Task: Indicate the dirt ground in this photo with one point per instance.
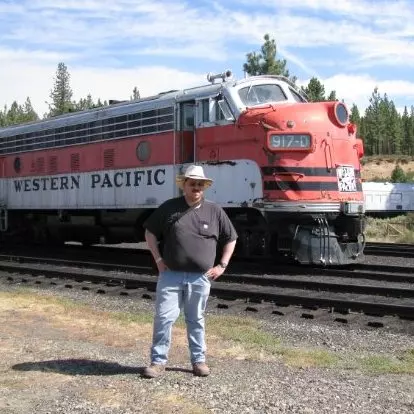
(66, 356)
(382, 167)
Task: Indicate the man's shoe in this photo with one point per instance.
(153, 371)
(200, 369)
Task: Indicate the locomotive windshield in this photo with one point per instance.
(260, 94)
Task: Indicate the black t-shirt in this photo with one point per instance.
(190, 242)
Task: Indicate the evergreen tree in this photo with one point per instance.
(354, 116)
(29, 113)
(375, 125)
(398, 175)
(61, 94)
(362, 128)
(332, 96)
(3, 117)
(135, 94)
(86, 103)
(17, 114)
(410, 138)
(406, 143)
(394, 130)
(265, 62)
(315, 91)
(14, 114)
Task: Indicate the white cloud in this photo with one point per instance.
(98, 39)
(35, 80)
(359, 88)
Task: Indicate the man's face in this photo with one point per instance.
(194, 189)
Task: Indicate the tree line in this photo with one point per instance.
(382, 128)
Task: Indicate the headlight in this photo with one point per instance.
(341, 114)
(289, 141)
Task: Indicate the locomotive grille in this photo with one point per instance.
(40, 165)
(53, 164)
(109, 155)
(74, 162)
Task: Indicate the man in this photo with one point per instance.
(190, 228)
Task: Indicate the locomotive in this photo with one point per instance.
(286, 171)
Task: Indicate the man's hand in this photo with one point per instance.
(215, 272)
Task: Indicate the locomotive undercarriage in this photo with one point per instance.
(325, 238)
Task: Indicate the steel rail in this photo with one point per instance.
(304, 293)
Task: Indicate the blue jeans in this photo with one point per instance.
(176, 291)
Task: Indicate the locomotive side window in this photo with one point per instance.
(259, 94)
(187, 116)
(224, 112)
(296, 96)
(205, 105)
(126, 125)
(219, 113)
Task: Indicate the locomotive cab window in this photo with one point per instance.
(296, 96)
(260, 94)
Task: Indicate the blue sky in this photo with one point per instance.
(110, 46)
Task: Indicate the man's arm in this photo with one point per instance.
(152, 243)
(216, 271)
(228, 250)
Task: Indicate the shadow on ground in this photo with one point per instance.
(83, 367)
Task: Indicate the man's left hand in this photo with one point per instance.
(215, 272)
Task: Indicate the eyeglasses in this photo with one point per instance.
(196, 183)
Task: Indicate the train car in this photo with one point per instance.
(388, 199)
(286, 171)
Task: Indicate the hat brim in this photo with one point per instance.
(181, 178)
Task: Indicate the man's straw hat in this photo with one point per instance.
(195, 172)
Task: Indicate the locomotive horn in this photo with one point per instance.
(211, 78)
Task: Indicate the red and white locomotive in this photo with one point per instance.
(286, 171)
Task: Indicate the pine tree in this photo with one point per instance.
(29, 113)
(3, 117)
(14, 114)
(398, 175)
(354, 116)
(375, 125)
(406, 144)
(332, 96)
(18, 114)
(135, 94)
(61, 94)
(265, 63)
(410, 138)
(394, 129)
(315, 91)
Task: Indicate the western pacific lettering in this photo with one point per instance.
(96, 180)
(47, 183)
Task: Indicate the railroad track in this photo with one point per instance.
(389, 249)
(369, 290)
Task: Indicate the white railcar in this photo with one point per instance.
(388, 197)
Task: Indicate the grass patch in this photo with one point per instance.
(127, 318)
(242, 330)
(398, 229)
(302, 358)
(386, 364)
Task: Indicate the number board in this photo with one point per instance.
(290, 141)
